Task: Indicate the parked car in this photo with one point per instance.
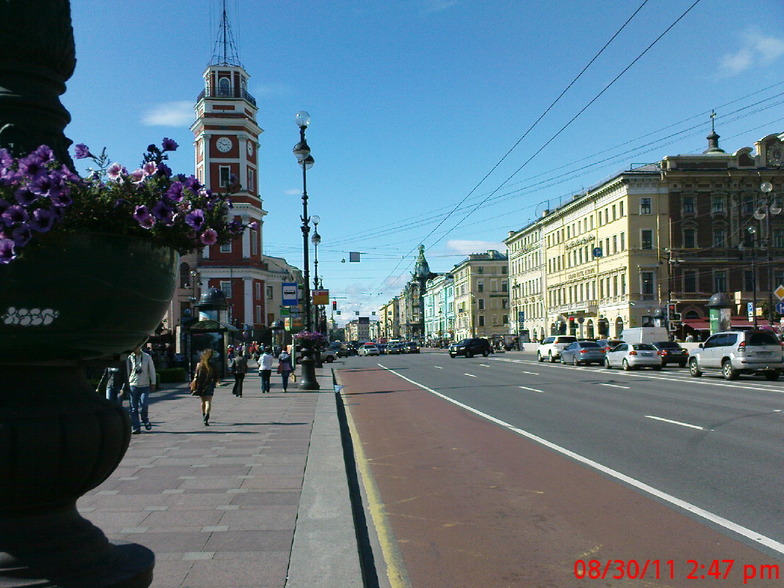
(586, 352)
(327, 355)
(739, 352)
(369, 349)
(382, 348)
(551, 347)
(410, 347)
(471, 347)
(672, 352)
(632, 356)
(608, 344)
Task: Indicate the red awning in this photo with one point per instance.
(704, 324)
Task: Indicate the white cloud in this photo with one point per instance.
(170, 114)
(466, 247)
(756, 51)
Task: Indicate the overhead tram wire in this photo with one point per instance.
(576, 116)
(550, 179)
(536, 122)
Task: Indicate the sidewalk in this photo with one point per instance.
(257, 499)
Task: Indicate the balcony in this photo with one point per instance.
(218, 93)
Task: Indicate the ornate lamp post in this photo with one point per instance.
(302, 152)
(771, 206)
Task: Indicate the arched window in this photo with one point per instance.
(185, 275)
(224, 87)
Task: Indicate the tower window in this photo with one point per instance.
(224, 87)
(225, 175)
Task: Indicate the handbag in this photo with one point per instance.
(194, 386)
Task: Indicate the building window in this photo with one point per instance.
(481, 302)
(748, 205)
(481, 320)
(270, 292)
(480, 286)
(226, 247)
(251, 181)
(259, 317)
(623, 284)
(226, 287)
(720, 281)
(719, 239)
(778, 238)
(646, 239)
(185, 275)
(690, 281)
(645, 206)
(688, 205)
(717, 205)
(620, 210)
(224, 175)
(224, 87)
(689, 238)
(748, 280)
(254, 242)
(623, 241)
(647, 285)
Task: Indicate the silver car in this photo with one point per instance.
(739, 352)
(586, 352)
(632, 356)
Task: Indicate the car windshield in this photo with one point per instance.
(762, 339)
(588, 344)
(644, 347)
(667, 345)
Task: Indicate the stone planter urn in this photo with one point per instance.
(73, 300)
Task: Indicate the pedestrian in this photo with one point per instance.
(285, 368)
(116, 378)
(141, 381)
(204, 382)
(239, 367)
(265, 368)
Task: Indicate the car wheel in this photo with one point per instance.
(694, 368)
(330, 359)
(552, 359)
(772, 376)
(682, 364)
(607, 363)
(626, 366)
(657, 367)
(452, 356)
(485, 353)
(727, 371)
(469, 354)
(539, 357)
(574, 361)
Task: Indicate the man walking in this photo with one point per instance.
(265, 368)
(141, 379)
(239, 367)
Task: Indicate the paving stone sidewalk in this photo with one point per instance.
(259, 498)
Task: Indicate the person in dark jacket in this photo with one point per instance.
(239, 367)
(205, 380)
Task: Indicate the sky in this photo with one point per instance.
(446, 123)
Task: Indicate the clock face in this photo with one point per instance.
(224, 144)
(250, 147)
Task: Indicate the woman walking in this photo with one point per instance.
(284, 368)
(265, 368)
(205, 380)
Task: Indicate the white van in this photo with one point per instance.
(644, 335)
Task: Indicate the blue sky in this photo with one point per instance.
(416, 104)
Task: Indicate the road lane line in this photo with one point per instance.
(438, 367)
(470, 375)
(531, 373)
(531, 389)
(484, 365)
(616, 386)
(679, 423)
(750, 534)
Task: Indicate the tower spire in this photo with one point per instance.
(225, 50)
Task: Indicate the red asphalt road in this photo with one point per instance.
(470, 504)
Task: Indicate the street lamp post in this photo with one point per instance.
(305, 159)
(771, 206)
(752, 230)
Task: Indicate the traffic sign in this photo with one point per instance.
(750, 310)
(780, 307)
(779, 292)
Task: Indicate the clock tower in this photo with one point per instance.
(226, 140)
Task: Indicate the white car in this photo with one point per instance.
(550, 348)
(369, 349)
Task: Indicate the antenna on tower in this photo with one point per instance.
(225, 50)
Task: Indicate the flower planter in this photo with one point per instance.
(69, 300)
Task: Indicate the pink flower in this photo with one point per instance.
(209, 237)
(149, 168)
(115, 171)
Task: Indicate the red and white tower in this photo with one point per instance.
(226, 140)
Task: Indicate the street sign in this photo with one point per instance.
(750, 310)
(290, 291)
(779, 292)
(780, 307)
(597, 251)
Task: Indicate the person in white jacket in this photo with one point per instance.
(141, 380)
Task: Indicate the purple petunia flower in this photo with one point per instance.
(116, 171)
(7, 252)
(43, 220)
(209, 237)
(143, 217)
(25, 197)
(149, 168)
(195, 219)
(21, 235)
(163, 212)
(14, 214)
(253, 225)
(164, 170)
(174, 193)
(45, 153)
(136, 176)
(32, 166)
(82, 151)
(169, 144)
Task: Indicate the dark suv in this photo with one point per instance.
(471, 347)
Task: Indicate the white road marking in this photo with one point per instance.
(696, 510)
(616, 386)
(531, 373)
(470, 375)
(438, 367)
(679, 423)
(484, 365)
(531, 389)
